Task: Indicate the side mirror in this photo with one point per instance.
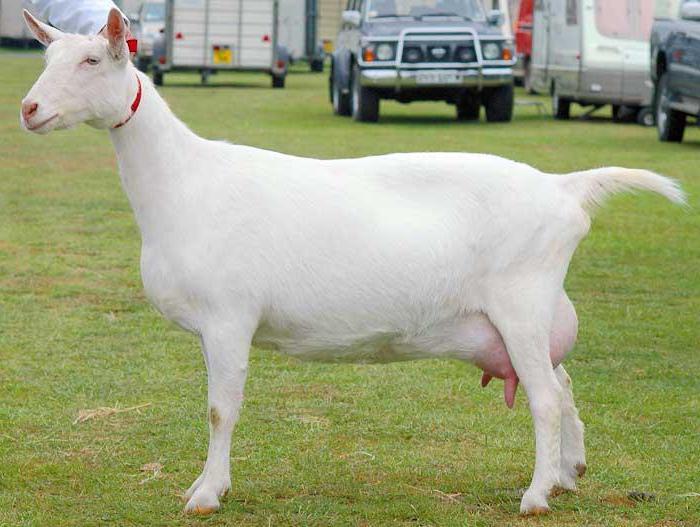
(690, 11)
(494, 17)
(352, 17)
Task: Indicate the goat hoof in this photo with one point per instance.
(202, 503)
(580, 469)
(533, 504)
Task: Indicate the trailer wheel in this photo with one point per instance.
(561, 106)
(278, 81)
(468, 107)
(365, 101)
(157, 77)
(499, 104)
(143, 63)
(316, 64)
(670, 124)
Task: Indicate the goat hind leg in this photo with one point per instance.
(525, 332)
(226, 356)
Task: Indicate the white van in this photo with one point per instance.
(594, 52)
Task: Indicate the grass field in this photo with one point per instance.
(404, 444)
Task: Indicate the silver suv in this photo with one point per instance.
(413, 50)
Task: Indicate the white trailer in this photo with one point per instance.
(214, 35)
(12, 26)
(594, 52)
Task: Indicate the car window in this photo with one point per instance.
(470, 9)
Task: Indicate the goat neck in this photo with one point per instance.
(152, 148)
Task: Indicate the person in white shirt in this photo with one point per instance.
(86, 17)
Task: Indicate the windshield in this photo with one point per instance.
(468, 9)
(153, 12)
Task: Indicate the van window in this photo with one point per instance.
(626, 19)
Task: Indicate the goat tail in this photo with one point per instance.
(592, 187)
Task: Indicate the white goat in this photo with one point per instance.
(396, 257)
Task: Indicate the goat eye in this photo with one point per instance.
(92, 61)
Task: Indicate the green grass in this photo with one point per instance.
(404, 444)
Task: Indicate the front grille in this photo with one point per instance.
(438, 52)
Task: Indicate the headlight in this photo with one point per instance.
(465, 54)
(383, 52)
(491, 51)
(412, 54)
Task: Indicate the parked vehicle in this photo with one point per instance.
(444, 50)
(675, 70)
(594, 53)
(210, 36)
(147, 26)
(523, 43)
(13, 30)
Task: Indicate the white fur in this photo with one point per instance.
(384, 258)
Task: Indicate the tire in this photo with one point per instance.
(143, 63)
(645, 116)
(499, 104)
(365, 101)
(342, 103)
(468, 107)
(316, 64)
(561, 106)
(157, 77)
(670, 124)
(278, 81)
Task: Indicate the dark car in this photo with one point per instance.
(414, 50)
(675, 70)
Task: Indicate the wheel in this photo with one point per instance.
(365, 101)
(561, 106)
(204, 74)
(157, 77)
(278, 81)
(316, 64)
(143, 63)
(645, 116)
(342, 104)
(468, 107)
(499, 104)
(670, 124)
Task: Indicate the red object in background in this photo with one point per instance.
(523, 29)
(266, 38)
(178, 36)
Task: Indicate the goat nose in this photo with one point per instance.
(28, 109)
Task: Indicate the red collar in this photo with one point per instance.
(134, 105)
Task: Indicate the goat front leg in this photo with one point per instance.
(573, 452)
(226, 356)
(525, 332)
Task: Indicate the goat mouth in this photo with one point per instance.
(34, 128)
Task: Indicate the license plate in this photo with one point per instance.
(223, 55)
(438, 77)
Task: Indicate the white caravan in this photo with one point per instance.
(594, 52)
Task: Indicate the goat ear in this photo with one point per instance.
(44, 33)
(115, 31)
